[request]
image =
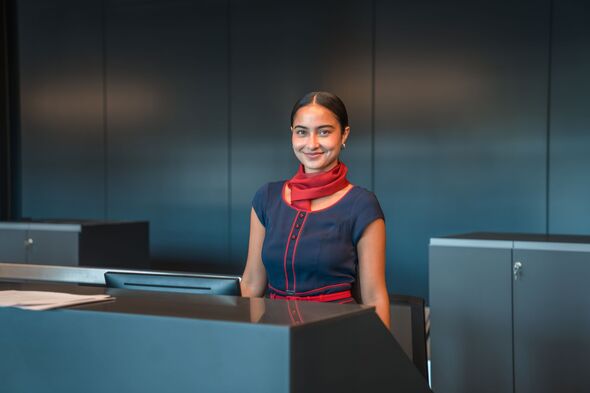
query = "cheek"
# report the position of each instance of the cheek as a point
(333, 144)
(297, 144)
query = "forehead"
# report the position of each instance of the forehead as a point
(314, 114)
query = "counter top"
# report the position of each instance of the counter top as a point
(519, 237)
(203, 307)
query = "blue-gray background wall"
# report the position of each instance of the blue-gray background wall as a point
(465, 115)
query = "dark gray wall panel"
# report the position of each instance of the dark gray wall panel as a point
(61, 86)
(280, 51)
(461, 97)
(570, 119)
(167, 126)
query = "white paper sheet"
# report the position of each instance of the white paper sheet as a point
(42, 300)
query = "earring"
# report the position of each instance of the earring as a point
(343, 146)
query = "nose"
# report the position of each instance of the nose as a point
(312, 141)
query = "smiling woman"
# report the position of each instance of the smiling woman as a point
(312, 237)
(319, 123)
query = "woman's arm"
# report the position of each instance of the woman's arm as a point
(371, 254)
(254, 278)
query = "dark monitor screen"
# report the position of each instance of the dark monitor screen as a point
(206, 285)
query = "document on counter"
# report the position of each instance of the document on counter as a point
(42, 300)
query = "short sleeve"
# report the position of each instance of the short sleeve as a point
(259, 203)
(366, 210)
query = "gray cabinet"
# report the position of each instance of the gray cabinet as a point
(509, 313)
(12, 244)
(76, 243)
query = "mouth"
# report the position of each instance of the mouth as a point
(313, 154)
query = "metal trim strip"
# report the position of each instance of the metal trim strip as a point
(77, 275)
(33, 226)
(548, 246)
(444, 242)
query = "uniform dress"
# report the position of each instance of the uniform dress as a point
(313, 253)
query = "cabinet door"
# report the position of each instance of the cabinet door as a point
(471, 318)
(12, 245)
(552, 319)
(51, 247)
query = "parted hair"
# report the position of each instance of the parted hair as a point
(328, 100)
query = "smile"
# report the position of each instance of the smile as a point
(313, 155)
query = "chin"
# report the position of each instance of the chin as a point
(317, 166)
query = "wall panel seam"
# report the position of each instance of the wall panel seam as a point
(105, 115)
(229, 134)
(548, 130)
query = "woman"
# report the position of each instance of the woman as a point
(312, 236)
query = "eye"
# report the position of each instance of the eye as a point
(324, 132)
(300, 132)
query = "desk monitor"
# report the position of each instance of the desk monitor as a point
(206, 285)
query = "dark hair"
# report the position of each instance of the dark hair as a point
(327, 100)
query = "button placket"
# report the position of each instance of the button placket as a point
(298, 223)
(290, 252)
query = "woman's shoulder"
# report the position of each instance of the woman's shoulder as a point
(265, 199)
(364, 200)
(365, 210)
(269, 191)
(360, 193)
(271, 187)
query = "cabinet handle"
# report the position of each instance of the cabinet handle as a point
(517, 270)
(29, 242)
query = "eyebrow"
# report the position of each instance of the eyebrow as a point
(322, 126)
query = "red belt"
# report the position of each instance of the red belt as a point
(329, 297)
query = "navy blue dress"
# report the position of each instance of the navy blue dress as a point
(312, 253)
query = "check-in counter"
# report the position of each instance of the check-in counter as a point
(170, 342)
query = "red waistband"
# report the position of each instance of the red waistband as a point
(329, 297)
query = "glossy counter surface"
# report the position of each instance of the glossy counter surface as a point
(202, 307)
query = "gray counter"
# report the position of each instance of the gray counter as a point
(168, 342)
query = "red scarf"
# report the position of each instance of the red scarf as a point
(308, 186)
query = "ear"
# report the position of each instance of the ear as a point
(345, 134)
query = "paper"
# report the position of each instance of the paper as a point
(42, 300)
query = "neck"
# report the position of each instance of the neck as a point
(314, 171)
